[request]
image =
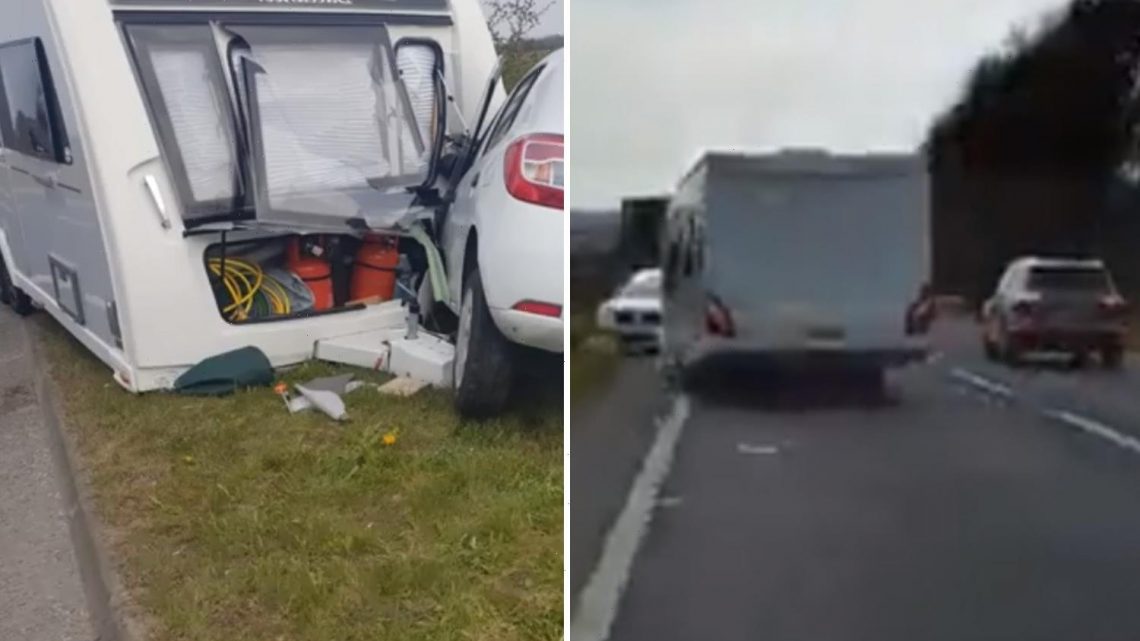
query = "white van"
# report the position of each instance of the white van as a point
(798, 254)
(164, 164)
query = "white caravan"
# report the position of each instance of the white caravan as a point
(796, 255)
(180, 178)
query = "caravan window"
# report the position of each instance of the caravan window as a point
(30, 120)
(330, 116)
(186, 90)
(420, 64)
(322, 116)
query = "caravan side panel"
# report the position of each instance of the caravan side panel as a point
(51, 224)
(683, 256)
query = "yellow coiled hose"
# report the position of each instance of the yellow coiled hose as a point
(243, 281)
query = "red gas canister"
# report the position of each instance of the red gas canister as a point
(374, 275)
(314, 271)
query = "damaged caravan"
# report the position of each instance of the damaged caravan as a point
(181, 178)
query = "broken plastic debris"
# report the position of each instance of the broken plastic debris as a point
(323, 394)
(328, 402)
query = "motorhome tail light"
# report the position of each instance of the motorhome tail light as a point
(718, 319)
(539, 308)
(533, 170)
(920, 314)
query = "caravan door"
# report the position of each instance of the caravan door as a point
(59, 248)
(303, 126)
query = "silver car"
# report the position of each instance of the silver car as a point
(1055, 305)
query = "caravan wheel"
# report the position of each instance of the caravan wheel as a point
(11, 295)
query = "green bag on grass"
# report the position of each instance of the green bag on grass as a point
(224, 374)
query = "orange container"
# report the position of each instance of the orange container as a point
(315, 272)
(374, 275)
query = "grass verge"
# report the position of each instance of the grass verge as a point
(231, 519)
(594, 355)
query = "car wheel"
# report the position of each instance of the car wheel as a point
(999, 342)
(871, 382)
(1112, 357)
(989, 336)
(11, 295)
(1009, 353)
(990, 349)
(484, 368)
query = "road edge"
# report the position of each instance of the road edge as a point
(102, 589)
(600, 597)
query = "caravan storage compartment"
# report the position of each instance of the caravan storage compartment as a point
(299, 276)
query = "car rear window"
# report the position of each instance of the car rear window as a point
(1068, 279)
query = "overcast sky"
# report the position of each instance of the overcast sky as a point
(553, 20)
(652, 82)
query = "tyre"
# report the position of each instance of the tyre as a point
(990, 349)
(1079, 359)
(1011, 356)
(1112, 357)
(11, 295)
(6, 293)
(871, 382)
(484, 367)
(1007, 351)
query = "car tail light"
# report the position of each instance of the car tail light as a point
(539, 308)
(533, 170)
(1113, 305)
(1024, 309)
(718, 319)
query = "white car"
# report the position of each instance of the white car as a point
(503, 240)
(634, 313)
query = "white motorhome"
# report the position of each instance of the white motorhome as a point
(795, 255)
(163, 161)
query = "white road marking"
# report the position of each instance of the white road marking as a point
(1085, 424)
(601, 596)
(1094, 427)
(981, 382)
(757, 450)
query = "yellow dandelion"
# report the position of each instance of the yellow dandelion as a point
(389, 439)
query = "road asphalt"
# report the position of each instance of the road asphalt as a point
(41, 589)
(974, 502)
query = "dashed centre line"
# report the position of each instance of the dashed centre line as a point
(1071, 419)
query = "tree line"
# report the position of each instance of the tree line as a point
(1037, 155)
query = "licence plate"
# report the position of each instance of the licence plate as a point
(826, 334)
